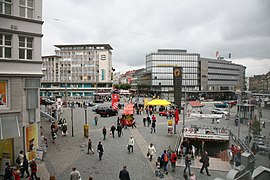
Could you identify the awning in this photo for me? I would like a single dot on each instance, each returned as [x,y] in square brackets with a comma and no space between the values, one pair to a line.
[195,104]
[9,127]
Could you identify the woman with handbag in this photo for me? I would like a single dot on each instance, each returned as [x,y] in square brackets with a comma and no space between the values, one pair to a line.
[151,151]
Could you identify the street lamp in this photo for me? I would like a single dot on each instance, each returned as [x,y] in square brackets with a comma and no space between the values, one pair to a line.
[184,110]
[72,130]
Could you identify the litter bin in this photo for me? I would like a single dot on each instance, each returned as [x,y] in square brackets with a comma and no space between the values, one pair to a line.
[86,130]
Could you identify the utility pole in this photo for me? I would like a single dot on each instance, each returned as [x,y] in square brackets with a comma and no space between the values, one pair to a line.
[185,108]
[249,124]
[239,103]
[72,130]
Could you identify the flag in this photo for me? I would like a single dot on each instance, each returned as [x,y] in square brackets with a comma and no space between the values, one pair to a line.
[115,98]
[176,116]
[217,53]
[230,55]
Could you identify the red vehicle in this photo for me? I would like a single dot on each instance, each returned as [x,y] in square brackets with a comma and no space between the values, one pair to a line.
[164,113]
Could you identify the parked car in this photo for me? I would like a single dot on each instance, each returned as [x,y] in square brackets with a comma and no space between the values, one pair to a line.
[97,108]
[90,104]
[105,112]
[221,105]
[164,113]
[220,111]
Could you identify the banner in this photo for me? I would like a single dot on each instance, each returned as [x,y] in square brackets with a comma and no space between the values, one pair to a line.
[115,99]
[31,141]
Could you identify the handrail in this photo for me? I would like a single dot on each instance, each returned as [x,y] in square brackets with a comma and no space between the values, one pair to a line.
[47,115]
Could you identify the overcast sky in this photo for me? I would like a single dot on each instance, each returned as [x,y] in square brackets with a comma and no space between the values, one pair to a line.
[135,28]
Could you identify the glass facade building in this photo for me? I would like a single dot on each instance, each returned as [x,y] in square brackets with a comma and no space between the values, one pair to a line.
[159,67]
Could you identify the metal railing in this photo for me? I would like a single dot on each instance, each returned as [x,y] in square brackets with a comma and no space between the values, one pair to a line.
[47,116]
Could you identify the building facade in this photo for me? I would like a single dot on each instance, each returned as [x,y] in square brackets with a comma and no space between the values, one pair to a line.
[210,78]
[20,73]
[260,83]
[78,70]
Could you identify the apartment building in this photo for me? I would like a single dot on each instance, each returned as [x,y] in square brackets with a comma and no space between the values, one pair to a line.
[78,70]
[20,73]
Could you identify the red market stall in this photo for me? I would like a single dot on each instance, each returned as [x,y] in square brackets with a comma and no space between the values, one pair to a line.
[127,115]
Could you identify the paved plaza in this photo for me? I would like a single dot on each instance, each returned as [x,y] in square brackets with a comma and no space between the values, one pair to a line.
[72,151]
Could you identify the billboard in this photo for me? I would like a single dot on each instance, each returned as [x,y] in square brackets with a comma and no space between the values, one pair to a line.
[31,141]
[3,93]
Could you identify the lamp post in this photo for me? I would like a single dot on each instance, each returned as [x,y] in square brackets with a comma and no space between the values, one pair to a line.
[86,126]
[184,110]
[72,130]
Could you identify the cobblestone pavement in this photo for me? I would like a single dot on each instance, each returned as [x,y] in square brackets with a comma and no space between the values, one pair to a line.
[71,151]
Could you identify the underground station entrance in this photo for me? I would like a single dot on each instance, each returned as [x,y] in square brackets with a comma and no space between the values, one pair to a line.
[214,140]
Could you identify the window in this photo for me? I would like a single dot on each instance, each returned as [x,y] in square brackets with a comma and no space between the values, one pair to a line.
[5,46]
[25,47]
[5,7]
[26,8]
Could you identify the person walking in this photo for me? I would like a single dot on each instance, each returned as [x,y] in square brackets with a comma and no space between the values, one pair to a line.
[130,143]
[173,160]
[75,174]
[104,132]
[119,130]
[165,160]
[148,121]
[95,120]
[17,173]
[151,151]
[154,118]
[187,163]
[8,172]
[144,121]
[205,161]
[33,167]
[192,176]
[153,126]
[19,160]
[25,167]
[124,174]
[112,130]
[100,150]
[89,147]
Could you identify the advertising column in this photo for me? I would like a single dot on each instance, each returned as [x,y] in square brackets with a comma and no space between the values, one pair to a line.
[115,99]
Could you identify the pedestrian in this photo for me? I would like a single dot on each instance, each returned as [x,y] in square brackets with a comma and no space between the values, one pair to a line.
[33,167]
[165,160]
[153,126]
[8,172]
[52,178]
[205,161]
[130,143]
[144,121]
[119,129]
[64,129]
[124,174]
[173,160]
[133,123]
[104,132]
[17,173]
[100,150]
[192,176]
[185,176]
[187,163]
[148,120]
[151,151]
[154,118]
[90,178]
[112,130]
[89,147]
[25,167]
[75,174]
[19,160]
[95,120]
